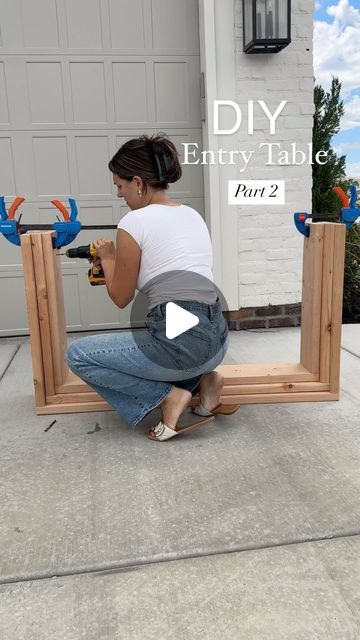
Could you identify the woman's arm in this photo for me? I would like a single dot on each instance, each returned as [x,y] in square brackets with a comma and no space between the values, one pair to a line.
[121,266]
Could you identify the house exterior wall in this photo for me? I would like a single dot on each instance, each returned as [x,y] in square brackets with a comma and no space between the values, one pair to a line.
[269,246]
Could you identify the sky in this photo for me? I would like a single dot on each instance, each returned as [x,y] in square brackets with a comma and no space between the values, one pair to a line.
[337,53]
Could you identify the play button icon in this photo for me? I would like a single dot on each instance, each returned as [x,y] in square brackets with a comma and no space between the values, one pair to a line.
[178,320]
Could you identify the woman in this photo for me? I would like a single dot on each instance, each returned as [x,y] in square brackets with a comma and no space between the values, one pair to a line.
[158,238]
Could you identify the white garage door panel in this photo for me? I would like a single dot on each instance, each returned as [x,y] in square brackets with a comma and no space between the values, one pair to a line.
[10,257]
[175,24]
[132,103]
[52,169]
[139,26]
[121,91]
[74,164]
[72,283]
[43,32]
[7,171]
[145,26]
[88,92]
[13,307]
[83,24]
[49,109]
[77,79]
[171,94]
[127,25]
[4,110]
[92,157]
[125,90]
[100,307]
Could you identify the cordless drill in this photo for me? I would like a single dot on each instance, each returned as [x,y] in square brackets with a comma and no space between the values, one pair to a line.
[96,274]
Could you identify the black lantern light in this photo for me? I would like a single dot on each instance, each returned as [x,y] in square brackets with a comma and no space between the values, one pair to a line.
[266,25]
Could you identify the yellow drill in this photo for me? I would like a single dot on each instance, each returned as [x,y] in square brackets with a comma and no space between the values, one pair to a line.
[96,274]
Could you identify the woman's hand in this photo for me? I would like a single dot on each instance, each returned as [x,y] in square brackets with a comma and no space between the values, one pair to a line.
[105,248]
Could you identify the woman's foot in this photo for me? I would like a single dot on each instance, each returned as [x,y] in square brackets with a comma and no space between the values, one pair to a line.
[210,388]
[172,408]
[174,405]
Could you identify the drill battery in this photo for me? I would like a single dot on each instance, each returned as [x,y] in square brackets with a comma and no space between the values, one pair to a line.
[96,274]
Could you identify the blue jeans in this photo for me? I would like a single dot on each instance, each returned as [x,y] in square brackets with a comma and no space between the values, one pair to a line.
[134,375]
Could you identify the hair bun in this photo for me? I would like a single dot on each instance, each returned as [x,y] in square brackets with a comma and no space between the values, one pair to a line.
[154,158]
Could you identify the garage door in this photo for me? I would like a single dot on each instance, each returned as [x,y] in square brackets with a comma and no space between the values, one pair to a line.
[77,79]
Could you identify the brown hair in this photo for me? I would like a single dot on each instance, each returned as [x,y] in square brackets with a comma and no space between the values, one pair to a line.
[153,158]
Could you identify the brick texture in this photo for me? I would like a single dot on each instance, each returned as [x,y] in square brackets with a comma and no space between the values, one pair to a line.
[270,248]
[287,315]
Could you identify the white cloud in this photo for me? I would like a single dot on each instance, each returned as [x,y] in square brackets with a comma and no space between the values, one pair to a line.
[342,148]
[344,13]
[353,169]
[337,49]
[317,6]
[351,117]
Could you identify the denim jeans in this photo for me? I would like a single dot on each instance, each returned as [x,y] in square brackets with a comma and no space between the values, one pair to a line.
[135,374]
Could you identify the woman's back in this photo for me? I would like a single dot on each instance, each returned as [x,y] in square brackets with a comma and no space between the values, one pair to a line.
[172,239]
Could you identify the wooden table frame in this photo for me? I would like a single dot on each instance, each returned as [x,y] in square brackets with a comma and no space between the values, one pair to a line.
[314,378]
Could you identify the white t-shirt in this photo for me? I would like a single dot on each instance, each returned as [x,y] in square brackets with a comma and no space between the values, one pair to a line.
[172,239]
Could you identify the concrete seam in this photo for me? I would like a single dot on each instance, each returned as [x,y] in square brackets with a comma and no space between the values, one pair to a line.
[9,363]
[111,569]
[351,352]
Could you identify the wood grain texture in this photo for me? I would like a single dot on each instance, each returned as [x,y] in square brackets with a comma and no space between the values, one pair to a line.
[44,318]
[265,373]
[60,406]
[70,398]
[266,398]
[326,302]
[274,388]
[51,409]
[311,298]
[33,320]
[56,308]
[336,307]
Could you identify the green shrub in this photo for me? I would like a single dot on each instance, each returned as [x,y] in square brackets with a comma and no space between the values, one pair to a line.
[351,307]
[329,109]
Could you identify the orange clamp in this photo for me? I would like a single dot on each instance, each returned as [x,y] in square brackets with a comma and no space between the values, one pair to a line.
[343,197]
[61,208]
[15,205]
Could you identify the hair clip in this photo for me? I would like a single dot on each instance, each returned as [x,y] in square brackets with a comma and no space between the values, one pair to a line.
[167,159]
[161,177]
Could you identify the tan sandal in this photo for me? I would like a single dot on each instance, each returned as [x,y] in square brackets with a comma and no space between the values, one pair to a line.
[224,409]
[163,432]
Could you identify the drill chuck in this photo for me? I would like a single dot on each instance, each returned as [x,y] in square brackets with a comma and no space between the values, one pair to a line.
[86,252]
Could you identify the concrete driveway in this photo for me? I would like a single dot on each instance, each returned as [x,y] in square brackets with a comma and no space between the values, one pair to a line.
[247,528]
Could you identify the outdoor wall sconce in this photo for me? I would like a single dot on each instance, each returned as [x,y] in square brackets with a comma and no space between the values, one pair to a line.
[266,25]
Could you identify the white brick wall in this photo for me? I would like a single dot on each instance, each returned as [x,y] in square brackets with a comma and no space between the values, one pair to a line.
[270,247]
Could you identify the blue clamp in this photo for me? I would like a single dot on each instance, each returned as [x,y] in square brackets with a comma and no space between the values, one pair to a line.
[66,231]
[8,224]
[299,219]
[349,212]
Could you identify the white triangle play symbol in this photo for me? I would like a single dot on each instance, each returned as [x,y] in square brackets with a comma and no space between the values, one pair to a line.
[178,320]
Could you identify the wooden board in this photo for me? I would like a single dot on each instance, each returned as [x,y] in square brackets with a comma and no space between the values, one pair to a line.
[326,302]
[311,299]
[56,309]
[44,316]
[336,306]
[34,323]
[314,378]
